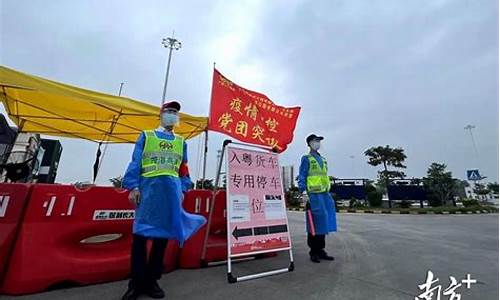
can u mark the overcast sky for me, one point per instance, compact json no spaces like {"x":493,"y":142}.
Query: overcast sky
{"x":409,"y":74}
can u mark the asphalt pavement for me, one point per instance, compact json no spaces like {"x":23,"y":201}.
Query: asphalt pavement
{"x":376,"y":257}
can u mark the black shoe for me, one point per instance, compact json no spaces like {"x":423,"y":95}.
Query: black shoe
{"x":314,"y":258}
{"x":155,"y":291}
{"x":131,"y":294}
{"x":325,"y":256}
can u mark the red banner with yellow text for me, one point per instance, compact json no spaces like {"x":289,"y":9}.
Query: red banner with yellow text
{"x":249,"y":116}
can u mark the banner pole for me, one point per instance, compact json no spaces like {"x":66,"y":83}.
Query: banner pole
{"x":205,"y":154}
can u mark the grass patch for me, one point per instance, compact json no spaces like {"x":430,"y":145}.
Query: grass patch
{"x":428,"y":210}
{"x":432,"y":210}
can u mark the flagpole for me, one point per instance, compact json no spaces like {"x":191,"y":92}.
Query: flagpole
{"x":205,"y":154}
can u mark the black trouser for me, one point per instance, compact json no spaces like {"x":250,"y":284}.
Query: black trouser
{"x":316,"y":243}
{"x":144,"y":272}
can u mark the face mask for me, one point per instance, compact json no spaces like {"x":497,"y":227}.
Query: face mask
{"x":168,"y":119}
{"x":315,"y":146}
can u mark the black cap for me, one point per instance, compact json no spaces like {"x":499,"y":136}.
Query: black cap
{"x":312,"y":137}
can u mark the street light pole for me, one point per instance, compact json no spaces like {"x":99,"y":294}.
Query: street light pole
{"x":469,"y":128}
{"x":121,"y":87}
{"x":172,"y":44}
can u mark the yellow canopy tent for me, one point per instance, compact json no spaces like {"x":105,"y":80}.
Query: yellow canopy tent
{"x":47,"y":107}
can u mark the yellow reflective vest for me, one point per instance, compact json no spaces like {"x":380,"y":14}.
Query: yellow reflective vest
{"x":317,"y":177}
{"x":161,"y":156}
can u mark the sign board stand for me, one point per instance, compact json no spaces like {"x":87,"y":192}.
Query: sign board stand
{"x":256,"y":212}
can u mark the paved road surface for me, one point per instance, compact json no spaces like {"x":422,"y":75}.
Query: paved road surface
{"x":377,"y":257}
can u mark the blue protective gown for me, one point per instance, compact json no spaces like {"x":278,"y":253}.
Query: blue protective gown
{"x":160,"y":213}
{"x":322,"y":204}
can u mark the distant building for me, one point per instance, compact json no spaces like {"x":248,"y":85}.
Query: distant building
{"x":491,"y":197}
{"x":342,"y":181}
{"x":49,"y":154}
{"x":287,"y":175}
{"x":346,"y":189}
{"x":26,"y":142}
{"x":7,"y":137}
{"x":25,"y":148}
{"x":4,"y":149}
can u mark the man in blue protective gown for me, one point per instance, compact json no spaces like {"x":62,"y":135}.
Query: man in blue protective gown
{"x":157,"y":191}
{"x":313,"y":179}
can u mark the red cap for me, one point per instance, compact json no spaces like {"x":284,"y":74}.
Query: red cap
{"x":171,"y":104}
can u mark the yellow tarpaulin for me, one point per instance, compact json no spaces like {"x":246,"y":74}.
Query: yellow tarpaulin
{"x":47,"y":107}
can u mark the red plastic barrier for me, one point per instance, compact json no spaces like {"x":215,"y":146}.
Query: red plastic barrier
{"x":171,"y":259}
{"x":219,"y":220}
{"x":195,"y":202}
{"x":13,"y":197}
{"x":217,"y":239}
{"x":71,"y":235}
{"x":198,"y":202}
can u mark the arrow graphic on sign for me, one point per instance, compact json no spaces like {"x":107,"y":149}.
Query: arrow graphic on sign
{"x":261,"y":230}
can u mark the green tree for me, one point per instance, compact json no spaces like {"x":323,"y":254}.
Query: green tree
{"x":117,"y":181}
{"x":481,"y":189}
{"x":459,"y":189}
{"x":373,"y":195}
{"x":387,"y":157}
{"x":207,"y":184}
{"x":82,"y":184}
{"x":224,"y":182}
{"x":292,"y":196}
{"x":493,"y":187}
{"x":439,"y":184}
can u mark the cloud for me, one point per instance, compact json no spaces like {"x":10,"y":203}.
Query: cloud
{"x":409,"y":74}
